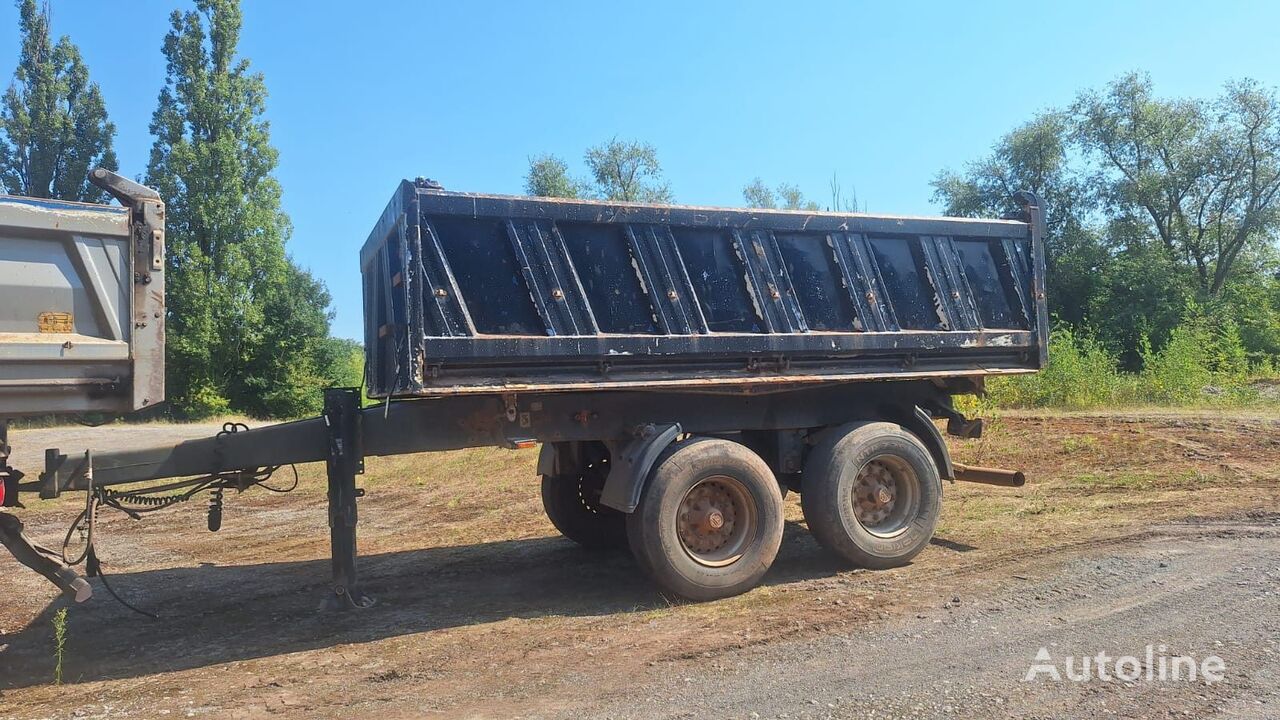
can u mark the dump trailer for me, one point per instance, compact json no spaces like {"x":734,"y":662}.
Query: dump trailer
{"x":81,"y":322}
{"x":681,"y":368}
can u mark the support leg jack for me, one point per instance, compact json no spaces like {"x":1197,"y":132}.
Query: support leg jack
{"x":345,"y":461}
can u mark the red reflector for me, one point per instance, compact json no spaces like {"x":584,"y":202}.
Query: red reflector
{"x":1,"y":492}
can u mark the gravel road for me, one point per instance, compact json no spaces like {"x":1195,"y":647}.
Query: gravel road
{"x":1199,"y":589}
{"x":29,"y":444}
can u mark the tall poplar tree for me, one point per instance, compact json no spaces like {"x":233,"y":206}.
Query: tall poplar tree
{"x":53,"y":121}
{"x":248,"y":330}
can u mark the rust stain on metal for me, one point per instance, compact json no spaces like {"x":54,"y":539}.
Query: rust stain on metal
{"x":481,"y":425}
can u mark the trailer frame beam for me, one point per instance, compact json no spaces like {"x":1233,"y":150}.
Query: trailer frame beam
{"x":455,"y":422}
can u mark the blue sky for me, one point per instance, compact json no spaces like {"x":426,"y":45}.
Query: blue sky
{"x":883,"y":94}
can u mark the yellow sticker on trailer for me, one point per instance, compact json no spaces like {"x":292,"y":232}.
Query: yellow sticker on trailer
{"x":55,"y":322}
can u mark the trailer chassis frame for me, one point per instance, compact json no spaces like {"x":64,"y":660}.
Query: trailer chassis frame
{"x":635,"y":426}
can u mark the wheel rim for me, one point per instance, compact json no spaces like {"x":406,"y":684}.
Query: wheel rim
{"x":886,"y":496}
{"x":716,"y":520}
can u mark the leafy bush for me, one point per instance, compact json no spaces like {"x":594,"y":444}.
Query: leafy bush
{"x":1180,"y":371}
{"x":201,"y":401}
{"x":1080,"y":374}
{"x":1200,"y":363}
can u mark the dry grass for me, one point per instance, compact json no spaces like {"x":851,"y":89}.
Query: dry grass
{"x":1096,"y":470}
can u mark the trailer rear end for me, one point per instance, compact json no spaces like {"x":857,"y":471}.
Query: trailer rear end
{"x":82,"y":317}
{"x":81,"y":325}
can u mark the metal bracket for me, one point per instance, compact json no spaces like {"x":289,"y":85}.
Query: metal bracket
{"x":60,"y":473}
{"x":962,"y":427}
{"x":957,"y":424}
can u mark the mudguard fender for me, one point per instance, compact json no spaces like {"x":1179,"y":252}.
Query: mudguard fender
{"x":920,"y":423}
{"x":630,"y":460}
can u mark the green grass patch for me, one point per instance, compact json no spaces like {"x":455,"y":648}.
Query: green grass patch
{"x":1141,"y":480}
{"x":1072,"y":444}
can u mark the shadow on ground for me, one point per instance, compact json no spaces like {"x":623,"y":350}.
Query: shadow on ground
{"x":214,"y":614}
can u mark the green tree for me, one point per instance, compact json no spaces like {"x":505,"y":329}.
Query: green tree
{"x":246,"y":328}
{"x":628,"y":171}
{"x":1153,"y":206}
{"x":1203,"y":178}
{"x":758,"y":195}
{"x":1255,"y":309}
{"x":791,"y":198}
{"x":548,"y":176}
{"x":1034,"y":157}
{"x":786,"y":197}
{"x":1137,"y":293}
{"x":294,"y":357}
{"x":53,"y":121}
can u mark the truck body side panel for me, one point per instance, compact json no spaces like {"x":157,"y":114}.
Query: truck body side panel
{"x":79,"y":332}
{"x":468,"y":293}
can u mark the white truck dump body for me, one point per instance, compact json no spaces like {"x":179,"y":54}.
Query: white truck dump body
{"x":82,"y":316}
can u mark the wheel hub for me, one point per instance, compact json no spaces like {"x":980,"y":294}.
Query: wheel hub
{"x":708,"y":517}
{"x":875,"y":494}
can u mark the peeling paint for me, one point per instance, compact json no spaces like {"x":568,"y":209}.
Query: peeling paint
{"x":938,"y":308}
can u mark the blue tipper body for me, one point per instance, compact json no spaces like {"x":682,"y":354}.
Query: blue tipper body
{"x":469,"y":293}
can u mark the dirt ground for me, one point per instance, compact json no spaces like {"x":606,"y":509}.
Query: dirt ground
{"x":1135,"y":528}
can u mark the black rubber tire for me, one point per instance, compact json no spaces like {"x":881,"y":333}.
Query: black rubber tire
{"x":572,"y":504}
{"x":652,"y":528}
{"x":830,"y":474}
